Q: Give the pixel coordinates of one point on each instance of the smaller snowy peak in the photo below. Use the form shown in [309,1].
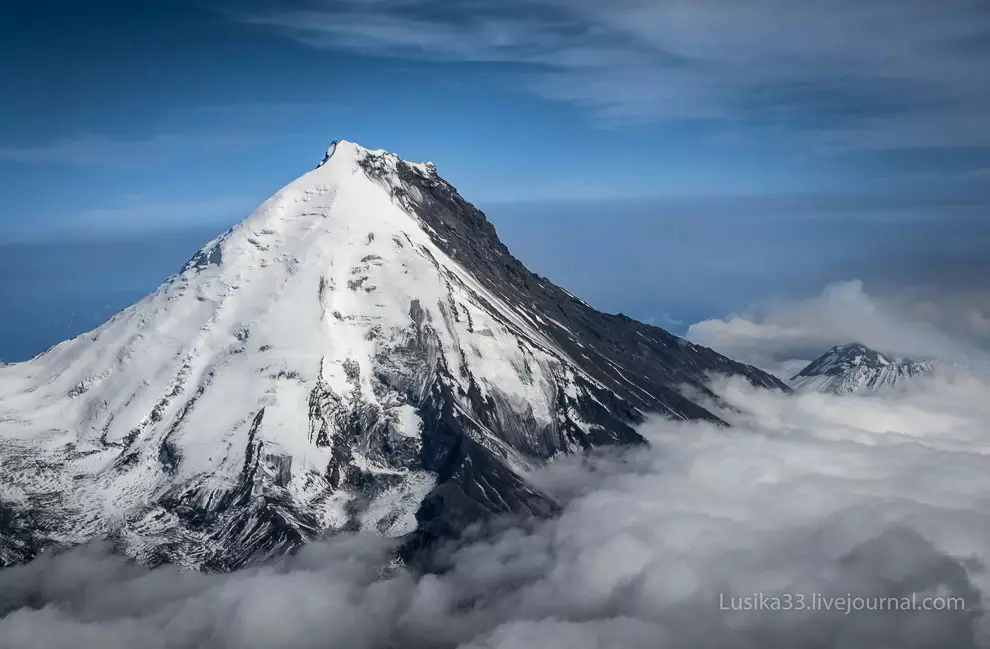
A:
[380,158]
[857,369]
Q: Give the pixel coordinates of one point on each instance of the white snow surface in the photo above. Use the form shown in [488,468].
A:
[317,282]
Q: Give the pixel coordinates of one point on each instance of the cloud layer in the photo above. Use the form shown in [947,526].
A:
[853,75]
[782,337]
[881,496]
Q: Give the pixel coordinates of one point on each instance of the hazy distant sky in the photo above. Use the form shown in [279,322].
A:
[643,152]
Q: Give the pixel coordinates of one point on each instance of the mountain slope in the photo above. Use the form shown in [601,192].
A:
[360,352]
[856,369]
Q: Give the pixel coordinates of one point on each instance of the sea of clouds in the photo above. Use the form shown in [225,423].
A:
[886,495]
[937,321]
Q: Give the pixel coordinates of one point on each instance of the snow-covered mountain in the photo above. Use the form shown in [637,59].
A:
[361,352]
[857,369]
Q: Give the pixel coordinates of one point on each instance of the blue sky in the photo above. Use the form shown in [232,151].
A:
[571,122]
[158,115]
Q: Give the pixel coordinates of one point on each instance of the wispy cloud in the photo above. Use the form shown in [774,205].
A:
[99,150]
[886,74]
[143,213]
[978,175]
[215,128]
[135,214]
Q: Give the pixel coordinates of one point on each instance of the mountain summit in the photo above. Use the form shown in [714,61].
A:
[361,352]
[857,369]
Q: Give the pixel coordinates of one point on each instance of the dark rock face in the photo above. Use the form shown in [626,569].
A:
[642,364]
[17,534]
[642,368]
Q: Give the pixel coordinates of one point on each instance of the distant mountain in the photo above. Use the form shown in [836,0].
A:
[361,352]
[857,369]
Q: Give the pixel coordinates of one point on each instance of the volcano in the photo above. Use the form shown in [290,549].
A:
[360,353]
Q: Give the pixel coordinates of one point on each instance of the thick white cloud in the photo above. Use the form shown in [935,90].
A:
[868,496]
[783,336]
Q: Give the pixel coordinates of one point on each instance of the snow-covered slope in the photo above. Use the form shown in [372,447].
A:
[856,369]
[360,352]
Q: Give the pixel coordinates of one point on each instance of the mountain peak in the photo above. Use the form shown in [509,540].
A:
[858,354]
[856,368]
[361,352]
[354,153]
[851,348]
